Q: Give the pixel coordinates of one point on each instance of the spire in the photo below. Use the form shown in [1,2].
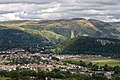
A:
[72,34]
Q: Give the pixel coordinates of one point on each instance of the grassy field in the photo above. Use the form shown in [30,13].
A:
[100,62]
[110,62]
[4,78]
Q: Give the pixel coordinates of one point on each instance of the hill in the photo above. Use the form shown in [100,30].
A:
[89,45]
[80,26]
[13,38]
[56,31]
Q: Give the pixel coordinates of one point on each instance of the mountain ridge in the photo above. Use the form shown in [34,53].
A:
[60,30]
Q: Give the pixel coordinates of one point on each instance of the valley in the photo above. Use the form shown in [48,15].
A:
[51,49]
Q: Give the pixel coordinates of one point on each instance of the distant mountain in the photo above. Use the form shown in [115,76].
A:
[13,22]
[80,27]
[116,24]
[57,31]
[89,45]
[13,38]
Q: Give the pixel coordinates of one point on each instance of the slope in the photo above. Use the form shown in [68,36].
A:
[13,38]
[57,31]
[89,45]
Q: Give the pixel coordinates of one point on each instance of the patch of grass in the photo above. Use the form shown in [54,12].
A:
[4,78]
[53,37]
[110,62]
[78,59]
[100,62]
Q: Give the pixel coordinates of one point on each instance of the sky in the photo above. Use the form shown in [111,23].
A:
[105,10]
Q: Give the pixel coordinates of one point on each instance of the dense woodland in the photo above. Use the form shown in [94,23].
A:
[89,45]
[13,38]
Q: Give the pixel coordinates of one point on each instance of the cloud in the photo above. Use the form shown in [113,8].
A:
[106,10]
[26,1]
[10,16]
[52,9]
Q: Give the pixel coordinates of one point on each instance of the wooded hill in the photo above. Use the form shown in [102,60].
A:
[89,45]
[13,38]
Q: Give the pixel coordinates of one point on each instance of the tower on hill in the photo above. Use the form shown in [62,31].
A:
[72,34]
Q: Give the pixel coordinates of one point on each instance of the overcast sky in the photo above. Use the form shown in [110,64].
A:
[106,10]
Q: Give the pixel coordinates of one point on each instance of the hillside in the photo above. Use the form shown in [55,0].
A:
[80,26]
[89,45]
[57,31]
[13,38]
[116,24]
[3,27]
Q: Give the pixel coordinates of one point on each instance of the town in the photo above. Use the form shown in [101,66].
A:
[14,59]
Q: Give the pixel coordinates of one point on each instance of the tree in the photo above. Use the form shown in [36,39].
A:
[116,69]
[116,77]
[81,63]
[14,74]
[89,64]
[99,76]
[3,73]
[107,68]
[95,67]
[41,75]
[55,58]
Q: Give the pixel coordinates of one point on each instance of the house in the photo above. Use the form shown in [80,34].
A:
[109,74]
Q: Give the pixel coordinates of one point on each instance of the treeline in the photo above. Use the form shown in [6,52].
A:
[24,74]
[94,67]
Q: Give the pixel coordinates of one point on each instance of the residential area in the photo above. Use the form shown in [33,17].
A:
[15,59]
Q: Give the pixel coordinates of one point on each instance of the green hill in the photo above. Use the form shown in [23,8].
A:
[56,31]
[13,38]
[89,45]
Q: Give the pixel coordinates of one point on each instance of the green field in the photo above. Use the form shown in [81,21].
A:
[100,62]
[4,78]
[110,62]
